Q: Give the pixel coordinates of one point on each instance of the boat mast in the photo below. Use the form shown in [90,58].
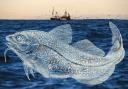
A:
[65,13]
[53,11]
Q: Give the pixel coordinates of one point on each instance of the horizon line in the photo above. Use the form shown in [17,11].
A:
[62,20]
[48,18]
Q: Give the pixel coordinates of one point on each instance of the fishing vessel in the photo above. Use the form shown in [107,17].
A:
[55,16]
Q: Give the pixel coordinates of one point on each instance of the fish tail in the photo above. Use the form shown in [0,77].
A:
[117,42]
[116,37]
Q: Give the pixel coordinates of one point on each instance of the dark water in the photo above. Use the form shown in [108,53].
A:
[12,75]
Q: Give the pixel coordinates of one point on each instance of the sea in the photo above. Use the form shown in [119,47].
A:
[12,75]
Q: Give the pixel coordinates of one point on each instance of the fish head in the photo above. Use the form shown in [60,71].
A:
[22,42]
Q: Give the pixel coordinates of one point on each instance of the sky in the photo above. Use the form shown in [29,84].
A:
[42,9]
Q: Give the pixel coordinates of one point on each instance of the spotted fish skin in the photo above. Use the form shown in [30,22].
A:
[50,54]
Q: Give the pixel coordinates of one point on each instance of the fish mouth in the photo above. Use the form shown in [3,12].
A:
[8,38]
[12,45]
[10,42]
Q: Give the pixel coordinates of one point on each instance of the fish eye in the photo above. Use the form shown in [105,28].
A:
[20,38]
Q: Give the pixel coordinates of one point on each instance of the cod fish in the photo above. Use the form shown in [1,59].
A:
[52,55]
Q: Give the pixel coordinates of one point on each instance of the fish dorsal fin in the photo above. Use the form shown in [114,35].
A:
[63,33]
[88,47]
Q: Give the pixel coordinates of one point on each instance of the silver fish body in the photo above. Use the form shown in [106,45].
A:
[50,54]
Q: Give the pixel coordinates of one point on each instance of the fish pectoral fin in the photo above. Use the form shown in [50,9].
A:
[63,33]
[88,47]
[28,71]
